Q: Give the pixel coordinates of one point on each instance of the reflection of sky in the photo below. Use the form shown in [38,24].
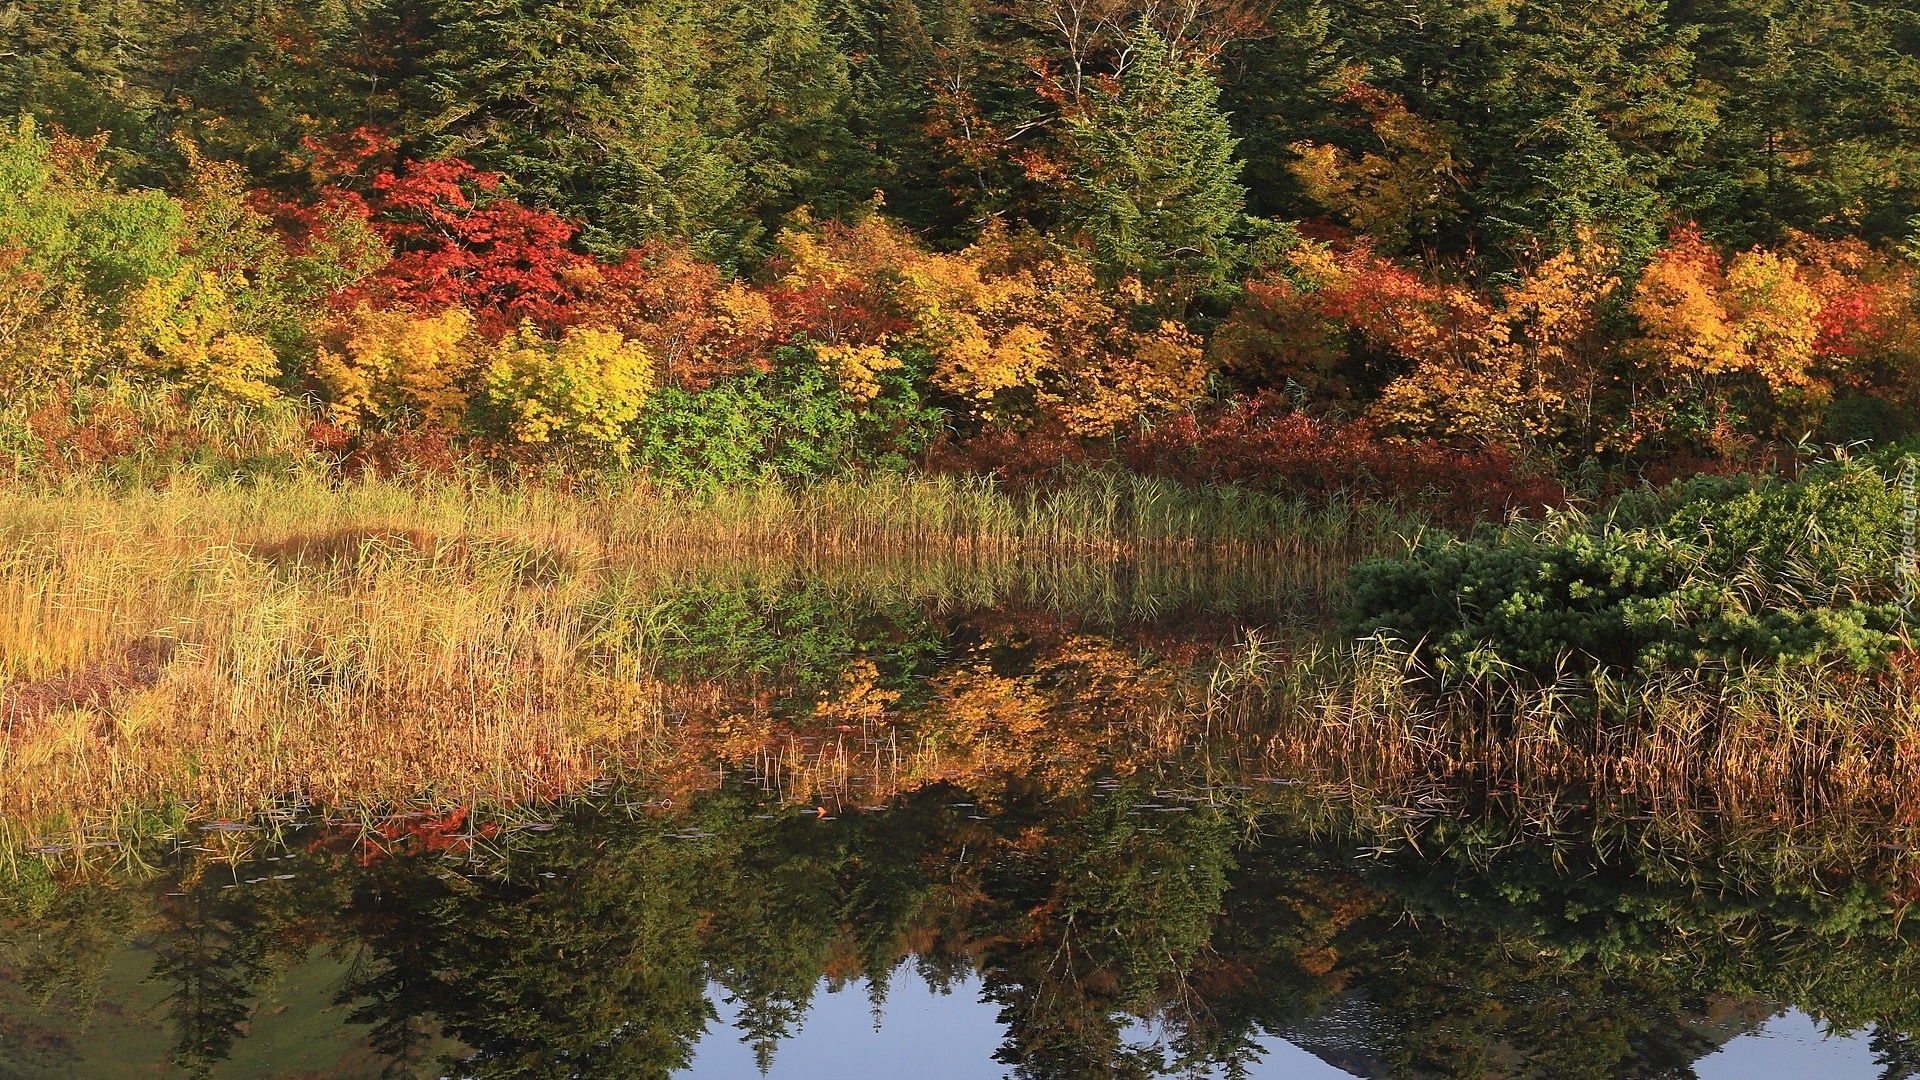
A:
[928,1036]
[1790,1047]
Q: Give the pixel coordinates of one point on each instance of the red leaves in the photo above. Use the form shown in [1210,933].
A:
[455,241]
[1850,322]
[839,285]
[1264,442]
[456,247]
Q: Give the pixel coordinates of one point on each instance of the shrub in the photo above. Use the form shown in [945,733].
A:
[394,362]
[795,422]
[1264,442]
[1737,572]
[182,329]
[581,391]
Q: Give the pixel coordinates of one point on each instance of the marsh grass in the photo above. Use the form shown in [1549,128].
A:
[1780,743]
[229,648]
[389,643]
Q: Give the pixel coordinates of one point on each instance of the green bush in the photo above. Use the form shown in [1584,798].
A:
[792,423]
[1711,574]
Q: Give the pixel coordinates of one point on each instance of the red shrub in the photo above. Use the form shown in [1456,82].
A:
[430,451]
[1019,459]
[455,240]
[1264,442]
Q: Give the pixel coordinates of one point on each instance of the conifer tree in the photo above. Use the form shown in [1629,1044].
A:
[1153,186]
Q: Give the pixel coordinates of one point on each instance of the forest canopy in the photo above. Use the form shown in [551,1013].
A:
[1613,231]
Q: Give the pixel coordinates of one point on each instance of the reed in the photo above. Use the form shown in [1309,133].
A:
[390,642]
[1776,742]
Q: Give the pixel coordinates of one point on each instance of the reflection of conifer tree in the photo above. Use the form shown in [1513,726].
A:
[61,951]
[769,945]
[1103,912]
[203,948]
[1897,1054]
[592,972]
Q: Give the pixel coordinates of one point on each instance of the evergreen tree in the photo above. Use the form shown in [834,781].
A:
[662,119]
[1819,105]
[1153,184]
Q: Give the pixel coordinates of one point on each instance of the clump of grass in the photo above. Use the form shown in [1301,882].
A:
[1755,741]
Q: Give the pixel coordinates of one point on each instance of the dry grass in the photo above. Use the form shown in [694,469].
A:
[1777,745]
[387,643]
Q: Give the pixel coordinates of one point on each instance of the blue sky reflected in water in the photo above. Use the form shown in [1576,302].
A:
[933,1036]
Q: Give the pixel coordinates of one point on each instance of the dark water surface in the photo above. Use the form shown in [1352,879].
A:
[1059,888]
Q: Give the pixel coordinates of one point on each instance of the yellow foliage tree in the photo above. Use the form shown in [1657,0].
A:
[1000,317]
[582,390]
[182,328]
[1411,184]
[46,329]
[1709,328]
[396,361]
[858,367]
[1525,370]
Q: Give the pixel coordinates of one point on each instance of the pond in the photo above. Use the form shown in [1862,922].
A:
[886,835]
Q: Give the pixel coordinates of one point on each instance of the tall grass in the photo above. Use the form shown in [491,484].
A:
[1780,743]
[227,644]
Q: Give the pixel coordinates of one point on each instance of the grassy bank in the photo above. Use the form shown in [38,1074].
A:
[385,642]
[381,644]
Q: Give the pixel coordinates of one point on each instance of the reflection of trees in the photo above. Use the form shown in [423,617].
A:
[1093,912]
[1093,919]
[594,971]
[207,952]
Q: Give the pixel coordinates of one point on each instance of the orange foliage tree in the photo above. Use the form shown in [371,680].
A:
[1726,347]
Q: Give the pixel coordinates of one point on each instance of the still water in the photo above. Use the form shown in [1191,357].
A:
[952,842]
[1129,928]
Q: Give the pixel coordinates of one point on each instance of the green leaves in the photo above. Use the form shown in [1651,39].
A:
[1155,183]
[1781,573]
[794,423]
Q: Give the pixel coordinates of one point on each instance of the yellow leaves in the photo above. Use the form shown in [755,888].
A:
[1138,374]
[394,361]
[1389,195]
[857,367]
[997,323]
[858,699]
[582,390]
[1708,325]
[977,364]
[1507,375]
[182,328]
[44,332]
[1774,318]
[742,313]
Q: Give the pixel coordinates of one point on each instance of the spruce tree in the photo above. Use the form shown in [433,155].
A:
[1154,185]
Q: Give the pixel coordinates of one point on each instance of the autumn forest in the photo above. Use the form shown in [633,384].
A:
[1373,524]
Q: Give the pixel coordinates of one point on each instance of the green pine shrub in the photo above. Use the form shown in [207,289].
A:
[1711,574]
[794,422]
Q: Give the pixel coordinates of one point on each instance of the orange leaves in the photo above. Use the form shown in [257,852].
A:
[1509,373]
[1719,350]
[1391,195]
[999,318]
[696,326]
[1710,327]
[1680,301]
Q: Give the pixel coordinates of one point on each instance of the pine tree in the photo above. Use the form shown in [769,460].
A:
[1153,186]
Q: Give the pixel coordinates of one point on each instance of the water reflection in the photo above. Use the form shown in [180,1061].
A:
[1134,926]
[1036,815]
